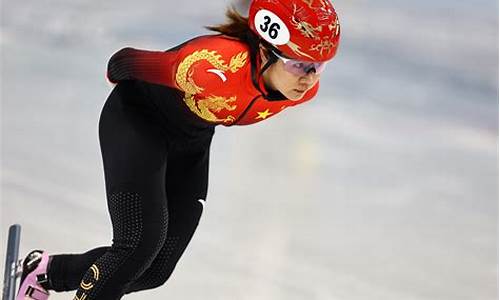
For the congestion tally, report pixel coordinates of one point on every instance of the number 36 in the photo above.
(273, 29)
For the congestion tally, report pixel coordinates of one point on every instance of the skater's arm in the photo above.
(162, 67)
(175, 69)
(151, 66)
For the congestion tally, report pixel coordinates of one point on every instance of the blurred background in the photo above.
(383, 187)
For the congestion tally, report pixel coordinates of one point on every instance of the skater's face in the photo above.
(291, 85)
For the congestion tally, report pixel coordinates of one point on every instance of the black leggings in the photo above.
(155, 189)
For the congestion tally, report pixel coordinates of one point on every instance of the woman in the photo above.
(155, 131)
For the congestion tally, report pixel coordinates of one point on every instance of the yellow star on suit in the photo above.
(264, 114)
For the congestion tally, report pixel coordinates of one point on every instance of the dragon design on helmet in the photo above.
(304, 27)
(310, 3)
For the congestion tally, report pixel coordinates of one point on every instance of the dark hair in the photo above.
(237, 26)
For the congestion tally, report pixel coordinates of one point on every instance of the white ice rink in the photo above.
(385, 187)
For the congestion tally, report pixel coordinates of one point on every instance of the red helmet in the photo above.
(306, 30)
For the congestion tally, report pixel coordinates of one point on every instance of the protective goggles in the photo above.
(299, 67)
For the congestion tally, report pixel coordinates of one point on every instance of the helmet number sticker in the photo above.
(271, 28)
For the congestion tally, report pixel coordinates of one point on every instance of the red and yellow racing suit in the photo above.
(214, 73)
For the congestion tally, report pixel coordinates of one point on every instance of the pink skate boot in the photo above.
(34, 274)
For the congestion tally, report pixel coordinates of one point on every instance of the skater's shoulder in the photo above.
(217, 44)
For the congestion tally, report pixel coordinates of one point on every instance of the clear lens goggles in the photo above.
(299, 67)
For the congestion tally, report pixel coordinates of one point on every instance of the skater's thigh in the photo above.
(186, 187)
(187, 174)
(133, 146)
